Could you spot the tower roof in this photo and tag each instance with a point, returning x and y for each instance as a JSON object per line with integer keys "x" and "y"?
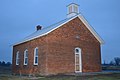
{"x": 73, "y": 4}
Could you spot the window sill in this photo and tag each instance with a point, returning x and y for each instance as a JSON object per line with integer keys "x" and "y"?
{"x": 35, "y": 64}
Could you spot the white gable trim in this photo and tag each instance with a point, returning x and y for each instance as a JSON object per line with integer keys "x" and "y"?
{"x": 82, "y": 19}
{"x": 91, "y": 29}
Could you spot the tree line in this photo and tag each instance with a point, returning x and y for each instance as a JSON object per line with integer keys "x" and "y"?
{"x": 3, "y": 63}
{"x": 114, "y": 62}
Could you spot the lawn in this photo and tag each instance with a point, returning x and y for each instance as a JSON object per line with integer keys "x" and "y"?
{"x": 110, "y": 76}
{"x": 5, "y": 74}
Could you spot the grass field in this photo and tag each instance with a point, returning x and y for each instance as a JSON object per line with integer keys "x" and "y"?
{"x": 5, "y": 74}
{"x": 111, "y": 76}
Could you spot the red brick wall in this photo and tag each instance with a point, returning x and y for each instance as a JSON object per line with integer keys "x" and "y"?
{"x": 56, "y": 51}
{"x": 30, "y": 46}
{"x": 61, "y": 45}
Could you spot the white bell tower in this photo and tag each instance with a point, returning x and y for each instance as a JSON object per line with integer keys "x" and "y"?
{"x": 73, "y": 9}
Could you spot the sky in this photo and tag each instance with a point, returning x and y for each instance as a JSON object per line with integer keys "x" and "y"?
{"x": 19, "y": 18}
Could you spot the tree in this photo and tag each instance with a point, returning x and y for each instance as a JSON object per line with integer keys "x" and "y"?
{"x": 111, "y": 63}
{"x": 3, "y": 63}
{"x": 0, "y": 62}
{"x": 104, "y": 62}
{"x": 117, "y": 61}
{"x": 8, "y": 64}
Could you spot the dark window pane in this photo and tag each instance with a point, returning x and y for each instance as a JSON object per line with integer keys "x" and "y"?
{"x": 26, "y": 54}
{"x": 25, "y": 61}
{"x": 36, "y": 60}
{"x": 77, "y": 51}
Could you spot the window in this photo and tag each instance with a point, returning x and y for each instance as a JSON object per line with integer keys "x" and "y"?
{"x": 78, "y": 62}
{"x": 25, "y": 57}
{"x": 36, "y": 56}
{"x": 17, "y": 58}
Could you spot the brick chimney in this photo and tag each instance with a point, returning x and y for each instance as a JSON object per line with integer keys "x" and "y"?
{"x": 38, "y": 27}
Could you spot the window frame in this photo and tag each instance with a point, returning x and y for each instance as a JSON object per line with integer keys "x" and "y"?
{"x": 17, "y": 57}
{"x": 78, "y": 52}
{"x": 36, "y": 55}
{"x": 25, "y": 57}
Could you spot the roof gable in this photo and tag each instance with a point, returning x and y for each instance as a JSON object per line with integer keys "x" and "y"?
{"x": 53, "y": 27}
{"x": 91, "y": 29}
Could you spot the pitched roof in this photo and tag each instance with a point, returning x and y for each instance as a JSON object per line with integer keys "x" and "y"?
{"x": 51, "y": 28}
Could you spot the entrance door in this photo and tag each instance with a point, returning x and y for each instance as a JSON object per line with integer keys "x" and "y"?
{"x": 78, "y": 62}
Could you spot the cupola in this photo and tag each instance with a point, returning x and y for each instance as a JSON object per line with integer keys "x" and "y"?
{"x": 73, "y": 9}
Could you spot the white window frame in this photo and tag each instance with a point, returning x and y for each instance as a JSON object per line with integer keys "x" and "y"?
{"x": 25, "y": 57}
{"x": 80, "y": 59}
{"x": 36, "y": 56}
{"x": 17, "y": 57}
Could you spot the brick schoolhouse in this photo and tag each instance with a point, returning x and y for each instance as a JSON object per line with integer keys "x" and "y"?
{"x": 68, "y": 46}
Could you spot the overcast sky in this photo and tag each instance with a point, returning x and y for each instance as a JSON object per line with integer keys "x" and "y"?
{"x": 18, "y": 19}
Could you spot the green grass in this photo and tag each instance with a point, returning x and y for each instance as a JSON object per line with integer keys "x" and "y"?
{"x": 5, "y": 74}
{"x": 113, "y": 76}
